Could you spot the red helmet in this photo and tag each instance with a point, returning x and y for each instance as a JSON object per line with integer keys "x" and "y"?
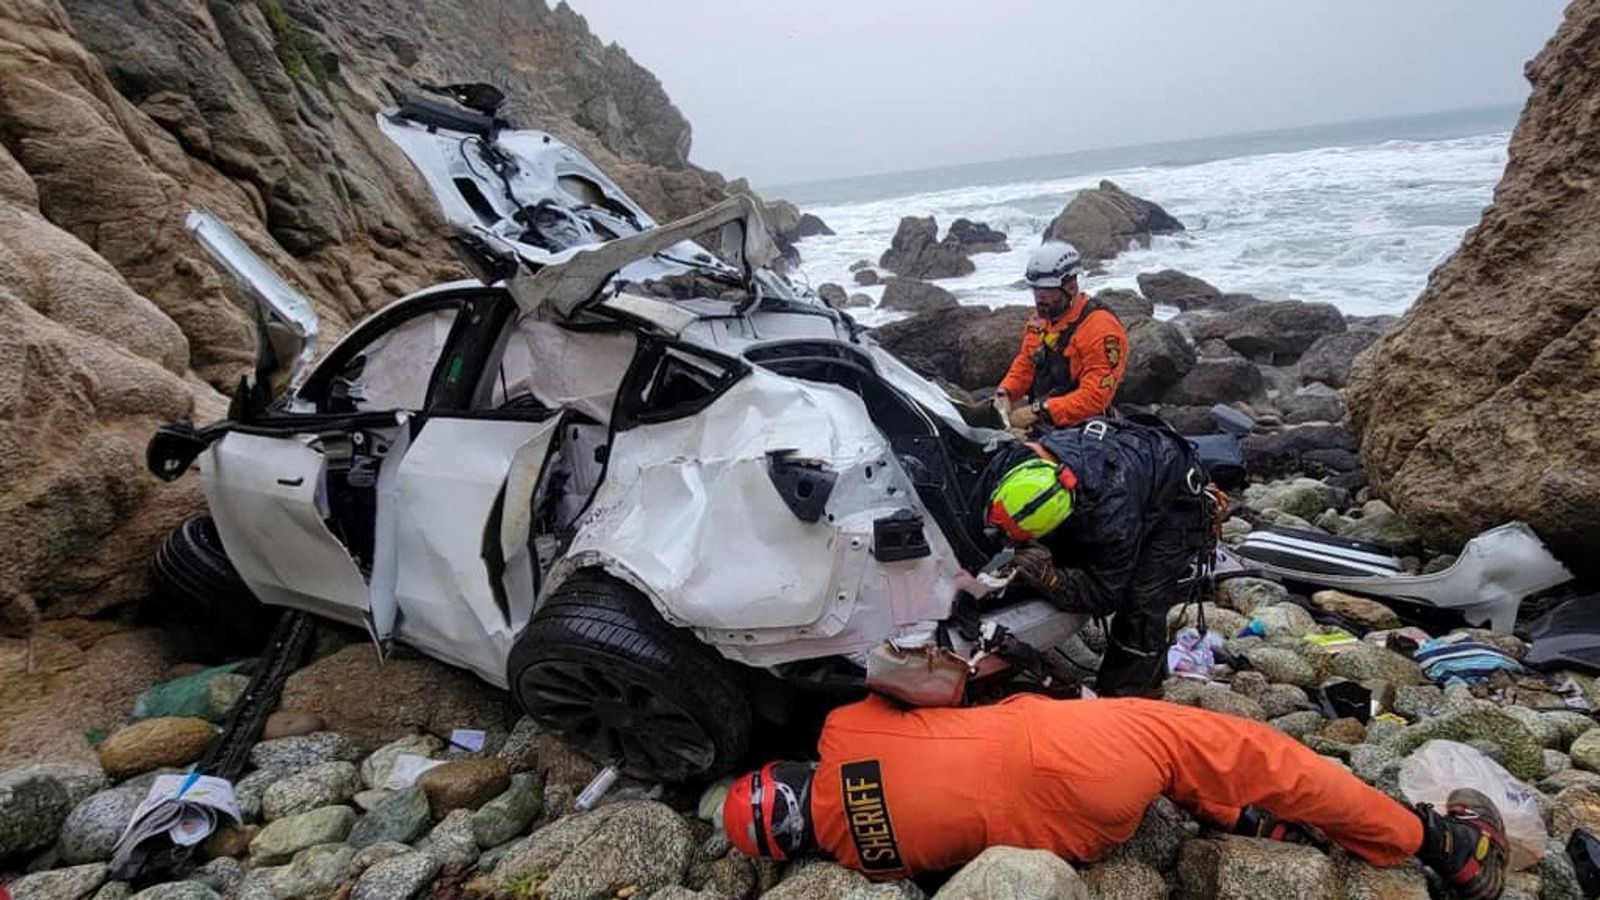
{"x": 767, "y": 812}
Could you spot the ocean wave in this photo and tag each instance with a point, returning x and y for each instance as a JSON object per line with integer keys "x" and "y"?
{"x": 1360, "y": 227}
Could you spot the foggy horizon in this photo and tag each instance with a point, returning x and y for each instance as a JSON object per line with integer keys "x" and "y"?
{"x": 834, "y": 92}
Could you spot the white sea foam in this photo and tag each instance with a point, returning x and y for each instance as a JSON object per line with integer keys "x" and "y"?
{"x": 1360, "y": 227}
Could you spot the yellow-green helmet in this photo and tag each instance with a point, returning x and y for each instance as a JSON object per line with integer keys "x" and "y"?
{"x": 1032, "y": 499}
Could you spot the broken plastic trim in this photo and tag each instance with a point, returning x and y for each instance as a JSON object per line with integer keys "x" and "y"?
{"x": 899, "y": 536}
{"x": 804, "y": 484}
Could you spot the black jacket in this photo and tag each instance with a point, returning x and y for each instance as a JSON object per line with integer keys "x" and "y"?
{"x": 1126, "y": 488}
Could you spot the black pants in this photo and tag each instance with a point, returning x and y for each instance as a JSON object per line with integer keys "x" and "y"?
{"x": 1135, "y": 661}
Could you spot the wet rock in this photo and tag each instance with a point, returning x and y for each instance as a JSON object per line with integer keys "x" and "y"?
{"x": 1280, "y": 700}
{"x": 92, "y": 828}
{"x": 1106, "y": 220}
{"x": 1222, "y": 621}
{"x": 464, "y": 784}
{"x": 831, "y": 294}
{"x": 1380, "y": 524}
{"x": 1328, "y": 358}
{"x": 1407, "y": 881}
{"x": 153, "y": 744}
{"x": 1162, "y": 831}
{"x": 1170, "y": 287}
{"x": 291, "y": 723}
{"x": 1303, "y": 497}
{"x": 33, "y": 804}
{"x": 1574, "y": 807}
{"x": 1124, "y": 881}
{"x": 630, "y": 842}
{"x": 1244, "y": 594}
{"x": 279, "y": 841}
{"x": 178, "y": 890}
{"x": 1158, "y": 359}
{"x": 914, "y": 296}
{"x": 1369, "y": 614}
{"x": 379, "y": 765}
{"x": 366, "y": 857}
{"x": 1213, "y": 380}
{"x": 1284, "y": 620}
{"x": 451, "y": 842}
{"x": 865, "y": 278}
{"x": 509, "y": 814}
{"x": 1298, "y": 724}
{"x": 1314, "y": 402}
{"x": 1007, "y": 873}
{"x": 292, "y": 754}
{"x": 1276, "y": 333}
{"x": 1585, "y": 751}
{"x": 1295, "y": 450}
{"x": 1524, "y": 757}
{"x": 60, "y": 884}
{"x": 232, "y": 841}
{"x": 324, "y": 784}
{"x": 1127, "y": 306}
{"x": 1282, "y": 666}
{"x": 250, "y": 790}
{"x": 1235, "y": 868}
{"x": 223, "y": 875}
{"x": 1365, "y": 662}
{"x": 400, "y": 817}
{"x": 916, "y": 252}
{"x": 1218, "y": 698}
{"x": 978, "y": 237}
{"x": 396, "y": 878}
{"x": 1417, "y": 701}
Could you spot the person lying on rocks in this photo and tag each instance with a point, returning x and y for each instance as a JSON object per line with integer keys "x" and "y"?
{"x": 1074, "y": 351}
{"x": 1109, "y": 517}
{"x": 899, "y": 792}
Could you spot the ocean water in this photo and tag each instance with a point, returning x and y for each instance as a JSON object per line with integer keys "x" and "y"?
{"x": 1356, "y": 215}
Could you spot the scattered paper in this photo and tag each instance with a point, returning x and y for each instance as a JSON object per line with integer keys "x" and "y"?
{"x": 184, "y": 808}
{"x": 408, "y": 767}
{"x": 468, "y": 739}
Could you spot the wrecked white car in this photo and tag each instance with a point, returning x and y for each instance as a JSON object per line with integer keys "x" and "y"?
{"x": 645, "y": 487}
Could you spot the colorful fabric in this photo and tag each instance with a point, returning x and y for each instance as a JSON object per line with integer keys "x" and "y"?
{"x": 1193, "y": 656}
{"x": 1457, "y": 658}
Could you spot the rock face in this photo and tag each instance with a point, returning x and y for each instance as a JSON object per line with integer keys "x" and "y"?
{"x": 1107, "y": 220}
{"x": 119, "y": 117}
{"x": 1276, "y": 333}
{"x": 916, "y": 251}
{"x": 1158, "y": 359}
{"x": 1482, "y": 404}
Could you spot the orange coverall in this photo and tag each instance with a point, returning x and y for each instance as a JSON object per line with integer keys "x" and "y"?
{"x": 899, "y": 791}
{"x": 1097, "y": 357}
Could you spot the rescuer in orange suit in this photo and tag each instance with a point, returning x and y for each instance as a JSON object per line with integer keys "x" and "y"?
{"x": 899, "y": 792}
{"x": 1074, "y": 351}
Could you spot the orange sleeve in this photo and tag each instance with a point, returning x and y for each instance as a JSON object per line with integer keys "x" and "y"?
{"x": 1100, "y": 353}
{"x": 1019, "y": 378}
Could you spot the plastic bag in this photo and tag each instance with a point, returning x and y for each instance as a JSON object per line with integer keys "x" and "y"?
{"x": 1439, "y": 767}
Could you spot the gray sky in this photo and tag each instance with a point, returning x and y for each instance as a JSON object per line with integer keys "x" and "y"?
{"x": 783, "y": 92}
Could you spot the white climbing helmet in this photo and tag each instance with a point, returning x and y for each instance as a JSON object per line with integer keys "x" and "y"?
{"x": 1052, "y": 264}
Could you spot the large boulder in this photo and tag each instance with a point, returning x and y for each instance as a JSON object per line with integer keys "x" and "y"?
{"x": 1215, "y": 380}
{"x": 915, "y": 251}
{"x": 588, "y": 855}
{"x": 1292, "y": 450}
{"x": 1482, "y": 404}
{"x": 977, "y": 237}
{"x": 988, "y": 346}
{"x": 914, "y": 296}
{"x": 1128, "y": 306}
{"x": 938, "y": 344}
{"x": 1173, "y": 288}
{"x": 1158, "y": 359}
{"x": 809, "y": 225}
{"x": 1275, "y": 333}
{"x": 1328, "y": 359}
{"x": 1106, "y": 220}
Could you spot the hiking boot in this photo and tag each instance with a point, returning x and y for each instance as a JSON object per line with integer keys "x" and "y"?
{"x": 1258, "y": 823}
{"x": 1466, "y": 845}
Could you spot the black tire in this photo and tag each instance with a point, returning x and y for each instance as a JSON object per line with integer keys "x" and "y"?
{"x": 599, "y": 665}
{"x": 201, "y": 600}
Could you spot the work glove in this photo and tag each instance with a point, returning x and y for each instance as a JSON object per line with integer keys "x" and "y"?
{"x": 1037, "y": 569}
{"x": 1024, "y": 418}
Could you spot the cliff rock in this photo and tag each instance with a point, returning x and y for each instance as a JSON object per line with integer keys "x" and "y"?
{"x": 1106, "y": 220}
{"x": 1483, "y": 403}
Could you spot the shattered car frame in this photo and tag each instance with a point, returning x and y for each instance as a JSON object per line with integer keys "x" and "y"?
{"x": 618, "y": 474}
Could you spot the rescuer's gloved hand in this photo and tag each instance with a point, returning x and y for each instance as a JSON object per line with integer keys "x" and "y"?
{"x": 1037, "y": 569}
{"x": 1024, "y": 417}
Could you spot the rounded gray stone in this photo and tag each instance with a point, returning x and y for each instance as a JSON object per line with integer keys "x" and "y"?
{"x": 396, "y": 878}
{"x": 92, "y": 828}
{"x": 324, "y": 784}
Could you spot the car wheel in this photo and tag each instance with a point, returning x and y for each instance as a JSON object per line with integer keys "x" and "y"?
{"x": 201, "y": 599}
{"x": 598, "y": 664}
